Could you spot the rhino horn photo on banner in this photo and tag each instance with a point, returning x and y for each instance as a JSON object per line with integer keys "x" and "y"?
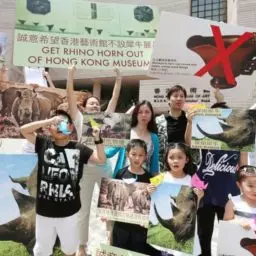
{"x": 172, "y": 225}
{"x": 224, "y": 129}
{"x": 211, "y": 55}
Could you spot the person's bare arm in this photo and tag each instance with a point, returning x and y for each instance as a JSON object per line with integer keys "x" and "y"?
{"x": 3, "y": 73}
{"x": 229, "y": 212}
{"x": 188, "y": 133}
{"x": 116, "y": 92}
{"x": 98, "y": 156}
{"x": 73, "y": 110}
{"x": 243, "y": 159}
{"x": 48, "y": 78}
{"x": 29, "y": 130}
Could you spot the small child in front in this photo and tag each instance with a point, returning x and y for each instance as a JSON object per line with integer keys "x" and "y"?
{"x": 241, "y": 209}
{"x": 60, "y": 167}
{"x": 125, "y": 235}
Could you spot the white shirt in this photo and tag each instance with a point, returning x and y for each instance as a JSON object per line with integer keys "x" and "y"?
{"x": 181, "y": 181}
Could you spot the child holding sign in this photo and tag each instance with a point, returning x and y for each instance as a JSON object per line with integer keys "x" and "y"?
{"x": 125, "y": 235}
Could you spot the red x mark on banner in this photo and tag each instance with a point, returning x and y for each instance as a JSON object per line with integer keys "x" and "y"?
{"x": 223, "y": 54}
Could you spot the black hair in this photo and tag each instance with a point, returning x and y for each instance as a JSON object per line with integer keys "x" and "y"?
{"x": 152, "y": 127}
{"x": 190, "y": 168}
{"x": 174, "y": 89}
{"x": 85, "y": 101}
{"x": 245, "y": 171}
{"x": 136, "y": 143}
{"x": 60, "y": 112}
{"x": 220, "y": 105}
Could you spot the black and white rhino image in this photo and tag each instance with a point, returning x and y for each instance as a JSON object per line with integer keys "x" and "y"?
{"x": 238, "y": 129}
{"x": 184, "y": 207}
{"x": 118, "y": 195}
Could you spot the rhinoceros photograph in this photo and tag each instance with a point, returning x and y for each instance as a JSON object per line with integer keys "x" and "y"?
{"x": 172, "y": 218}
{"x": 124, "y": 202}
{"x": 17, "y": 204}
{"x": 224, "y": 129}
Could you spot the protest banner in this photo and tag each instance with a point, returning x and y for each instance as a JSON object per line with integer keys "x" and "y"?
{"x": 155, "y": 91}
{"x": 216, "y": 55}
{"x": 17, "y": 203}
{"x": 22, "y": 103}
{"x": 172, "y": 219}
{"x": 106, "y": 250}
{"x": 122, "y": 201}
{"x": 3, "y": 44}
{"x": 90, "y": 35}
{"x": 233, "y": 240}
{"x": 115, "y": 128}
{"x": 224, "y": 129}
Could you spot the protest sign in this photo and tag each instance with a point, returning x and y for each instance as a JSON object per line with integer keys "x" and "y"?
{"x": 115, "y": 128}
{"x": 90, "y": 35}
{"x": 233, "y": 240}
{"x": 21, "y": 104}
{"x": 17, "y": 202}
{"x": 123, "y": 201}
{"x": 34, "y": 76}
{"x": 224, "y": 129}
{"x": 3, "y": 44}
{"x": 106, "y": 250}
{"x": 172, "y": 218}
{"x": 217, "y": 55}
{"x": 155, "y": 91}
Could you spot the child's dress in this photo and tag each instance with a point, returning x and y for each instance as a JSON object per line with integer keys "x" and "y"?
{"x": 244, "y": 211}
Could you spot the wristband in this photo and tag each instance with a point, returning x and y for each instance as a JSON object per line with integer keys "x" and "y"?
{"x": 100, "y": 141}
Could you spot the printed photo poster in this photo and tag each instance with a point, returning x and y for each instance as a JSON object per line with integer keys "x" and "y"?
{"x": 217, "y": 55}
{"x": 95, "y": 35}
{"x": 115, "y": 128}
{"x": 18, "y": 184}
{"x": 172, "y": 219}
{"x": 224, "y": 129}
{"x": 124, "y": 200}
{"x": 34, "y": 75}
{"x": 3, "y": 45}
{"x": 17, "y": 203}
{"x": 155, "y": 91}
{"x": 106, "y": 250}
{"x": 239, "y": 242}
{"x": 22, "y": 103}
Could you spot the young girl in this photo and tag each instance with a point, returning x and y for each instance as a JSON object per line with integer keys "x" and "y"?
{"x": 179, "y": 168}
{"x": 130, "y": 236}
{"x": 241, "y": 209}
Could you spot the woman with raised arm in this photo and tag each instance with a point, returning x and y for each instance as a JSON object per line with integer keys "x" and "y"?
{"x": 93, "y": 173}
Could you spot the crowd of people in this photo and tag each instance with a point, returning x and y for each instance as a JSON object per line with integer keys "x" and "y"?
{"x": 157, "y": 144}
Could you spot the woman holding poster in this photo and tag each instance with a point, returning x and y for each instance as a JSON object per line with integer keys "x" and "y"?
{"x": 172, "y": 125}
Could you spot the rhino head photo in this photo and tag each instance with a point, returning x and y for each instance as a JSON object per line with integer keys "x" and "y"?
{"x": 238, "y": 129}
{"x": 184, "y": 207}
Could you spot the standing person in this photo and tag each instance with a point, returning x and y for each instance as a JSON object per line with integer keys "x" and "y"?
{"x": 143, "y": 127}
{"x": 93, "y": 173}
{"x": 172, "y": 125}
{"x": 217, "y": 168}
{"x": 125, "y": 235}
{"x": 241, "y": 209}
{"x": 60, "y": 167}
{"x": 179, "y": 169}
